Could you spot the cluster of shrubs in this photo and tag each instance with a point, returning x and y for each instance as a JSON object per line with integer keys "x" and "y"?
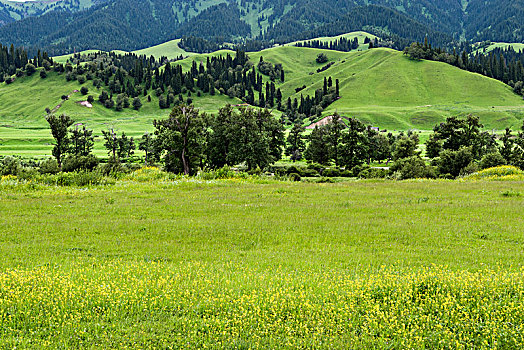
{"x": 76, "y": 171}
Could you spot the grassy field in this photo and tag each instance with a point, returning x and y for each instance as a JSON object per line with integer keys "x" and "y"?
{"x": 24, "y": 130}
{"x": 262, "y": 264}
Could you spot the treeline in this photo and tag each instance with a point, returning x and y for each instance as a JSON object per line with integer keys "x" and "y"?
{"x": 342, "y": 44}
{"x": 16, "y": 59}
{"x": 189, "y": 141}
{"x": 457, "y": 147}
{"x": 199, "y": 45}
{"x": 184, "y": 142}
{"x": 504, "y": 65}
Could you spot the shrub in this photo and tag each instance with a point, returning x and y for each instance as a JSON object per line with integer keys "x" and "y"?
{"x": 504, "y": 172}
{"x": 492, "y": 160}
{"x": 83, "y": 178}
{"x": 84, "y": 90}
{"x": 373, "y": 173}
{"x": 112, "y": 168}
{"x": 316, "y": 166}
{"x": 452, "y": 162}
{"x": 412, "y": 168}
{"x": 321, "y": 58}
{"x": 331, "y": 172}
{"x": 357, "y": 169}
{"x": 294, "y": 177}
{"x": 292, "y": 169}
{"x": 75, "y": 163}
{"x": 49, "y": 166}
{"x": 306, "y": 172}
{"x": 346, "y": 173}
{"x": 9, "y": 166}
{"x": 30, "y": 69}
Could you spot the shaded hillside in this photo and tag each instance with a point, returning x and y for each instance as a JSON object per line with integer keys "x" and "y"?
{"x": 131, "y": 25}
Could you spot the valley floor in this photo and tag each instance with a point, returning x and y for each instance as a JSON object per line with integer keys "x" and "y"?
{"x": 262, "y": 264}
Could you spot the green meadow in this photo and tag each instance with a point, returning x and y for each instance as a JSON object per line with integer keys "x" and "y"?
{"x": 155, "y": 262}
{"x": 380, "y": 87}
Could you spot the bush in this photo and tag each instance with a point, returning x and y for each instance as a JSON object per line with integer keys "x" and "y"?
{"x": 9, "y": 166}
{"x": 470, "y": 169}
{"x": 491, "y": 160}
{"x": 84, "y": 90}
{"x": 331, "y": 172}
{"x": 292, "y": 169}
{"x": 30, "y": 69}
{"x": 452, "y": 162}
{"x": 504, "y": 172}
{"x": 43, "y": 74}
{"x": 294, "y": 177}
{"x": 49, "y": 166}
{"x": 83, "y": 178}
{"x": 323, "y": 180}
{"x": 75, "y": 163}
{"x": 316, "y": 166}
{"x": 321, "y": 58}
{"x": 373, "y": 173}
{"x": 112, "y": 168}
{"x": 306, "y": 172}
{"x": 346, "y": 173}
{"x": 357, "y": 169}
{"x": 412, "y": 168}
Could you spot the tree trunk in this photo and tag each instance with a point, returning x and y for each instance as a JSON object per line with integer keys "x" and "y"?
{"x": 184, "y": 160}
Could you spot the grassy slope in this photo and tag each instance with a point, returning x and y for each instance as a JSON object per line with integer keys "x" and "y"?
{"x": 384, "y": 88}
{"x": 516, "y": 46}
{"x": 379, "y": 86}
{"x": 168, "y": 49}
{"x": 360, "y": 35}
{"x": 23, "y": 129}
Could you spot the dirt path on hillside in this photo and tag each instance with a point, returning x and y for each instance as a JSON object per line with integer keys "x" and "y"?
{"x": 57, "y": 107}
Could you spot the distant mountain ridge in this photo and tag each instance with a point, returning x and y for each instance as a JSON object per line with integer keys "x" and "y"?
{"x": 69, "y": 25}
{"x": 12, "y": 11}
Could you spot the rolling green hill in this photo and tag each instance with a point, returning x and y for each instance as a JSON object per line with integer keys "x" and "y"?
{"x": 380, "y": 86}
{"x": 169, "y": 49}
{"x": 386, "y": 89}
{"x": 488, "y": 49}
{"x": 24, "y": 130}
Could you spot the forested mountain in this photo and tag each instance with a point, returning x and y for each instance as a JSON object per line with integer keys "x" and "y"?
{"x": 496, "y": 20}
{"x": 11, "y": 11}
{"x": 60, "y": 27}
{"x": 379, "y": 20}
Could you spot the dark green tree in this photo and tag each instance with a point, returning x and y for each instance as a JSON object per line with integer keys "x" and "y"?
{"x": 181, "y": 139}
{"x": 317, "y": 150}
{"x": 355, "y": 144}
{"x": 334, "y": 137}
{"x": 137, "y": 103}
{"x": 59, "y": 129}
{"x": 82, "y": 141}
{"x": 295, "y": 142}
{"x": 147, "y": 144}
